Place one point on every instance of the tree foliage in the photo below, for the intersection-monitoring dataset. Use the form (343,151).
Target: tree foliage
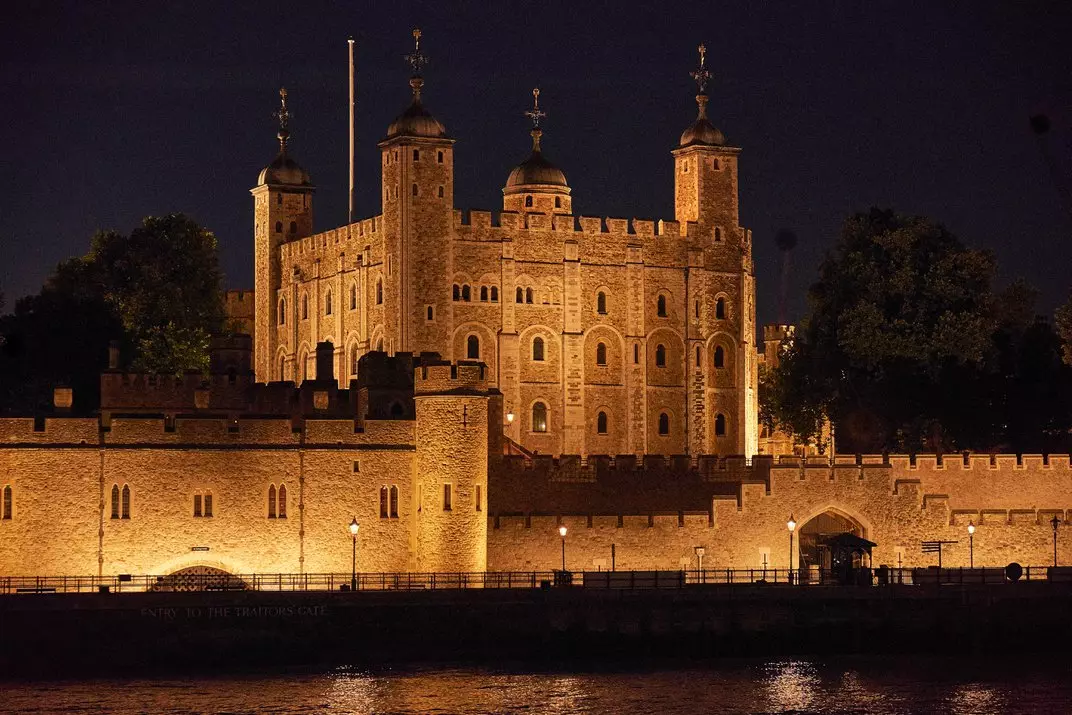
(907,347)
(157,291)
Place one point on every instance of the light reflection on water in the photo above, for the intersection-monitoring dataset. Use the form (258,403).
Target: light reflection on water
(861,686)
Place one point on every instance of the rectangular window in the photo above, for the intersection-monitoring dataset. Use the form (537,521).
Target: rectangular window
(478,507)
(383,503)
(357,466)
(394,502)
(7,503)
(197,505)
(416,155)
(439,157)
(446,497)
(208,505)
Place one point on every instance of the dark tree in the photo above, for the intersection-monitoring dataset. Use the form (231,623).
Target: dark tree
(156,291)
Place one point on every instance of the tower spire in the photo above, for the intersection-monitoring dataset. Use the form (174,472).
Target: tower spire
(536,115)
(416,60)
(283,115)
(702,76)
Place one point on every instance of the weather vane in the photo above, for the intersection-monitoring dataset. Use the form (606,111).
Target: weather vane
(701,74)
(535,114)
(416,61)
(283,115)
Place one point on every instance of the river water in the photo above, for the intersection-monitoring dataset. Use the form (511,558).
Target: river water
(887,685)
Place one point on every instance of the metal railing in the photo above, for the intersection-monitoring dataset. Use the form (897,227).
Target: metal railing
(283,582)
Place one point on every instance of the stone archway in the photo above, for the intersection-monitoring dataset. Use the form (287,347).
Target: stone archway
(199,578)
(811,548)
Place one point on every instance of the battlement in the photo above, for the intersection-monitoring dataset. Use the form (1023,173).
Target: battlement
(318,243)
(488,225)
(434,375)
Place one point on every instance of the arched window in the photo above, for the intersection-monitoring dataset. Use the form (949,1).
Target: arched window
(440,190)
(720,309)
(279,227)
(601,423)
(528,201)
(394,502)
(439,157)
(384,513)
(353,296)
(539,417)
(379,291)
(271,501)
(537,349)
(484,294)
(720,425)
(327,303)
(494,294)
(601,354)
(305,307)
(282,367)
(430,313)
(664,423)
(115,501)
(528,295)
(282,501)
(520,295)
(293,226)
(661,306)
(718,233)
(466,293)
(7,502)
(697,356)
(720,357)
(457,292)
(414,190)
(353,360)
(601,303)
(660,355)
(282,311)
(126,502)
(379,345)
(472,347)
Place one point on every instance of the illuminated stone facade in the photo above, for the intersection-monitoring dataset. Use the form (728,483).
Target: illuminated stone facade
(605,336)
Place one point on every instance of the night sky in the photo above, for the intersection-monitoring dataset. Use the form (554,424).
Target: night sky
(114,111)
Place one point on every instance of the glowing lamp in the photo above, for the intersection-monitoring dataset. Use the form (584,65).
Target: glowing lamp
(354,526)
(971,528)
(791,524)
(562,531)
(510,418)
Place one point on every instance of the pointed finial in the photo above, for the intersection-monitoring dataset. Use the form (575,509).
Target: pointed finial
(536,115)
(283,115)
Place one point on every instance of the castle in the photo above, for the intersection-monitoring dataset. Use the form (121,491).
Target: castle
(463,384)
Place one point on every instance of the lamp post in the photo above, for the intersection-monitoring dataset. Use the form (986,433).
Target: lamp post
(792,525)
(1055,522)
(353,571)
(699,560)
(971,544)
(562,533)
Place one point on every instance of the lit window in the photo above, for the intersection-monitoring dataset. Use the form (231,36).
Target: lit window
(660,355)
(601,354)
(664,423)
(537,349)
(539,417)
(601,303)
(472,347)
(601,423)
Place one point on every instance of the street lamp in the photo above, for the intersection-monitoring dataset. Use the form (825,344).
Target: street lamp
(1055,522)
(509,418)
(792,525)
(971,544)
(699,560)
(353,572)
(562,533)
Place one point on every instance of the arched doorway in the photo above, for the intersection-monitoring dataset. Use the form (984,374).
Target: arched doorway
(814,548)
(199,578)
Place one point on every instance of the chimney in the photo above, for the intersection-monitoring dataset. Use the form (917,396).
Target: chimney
(325,362)
(113,355)
(62,399)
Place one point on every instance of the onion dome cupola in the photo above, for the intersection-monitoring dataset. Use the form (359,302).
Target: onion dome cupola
(702,132)
(416,121)
(284,170)
(536,185)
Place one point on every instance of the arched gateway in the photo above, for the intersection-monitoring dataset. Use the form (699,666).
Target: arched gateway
(814,543)
(199,578)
